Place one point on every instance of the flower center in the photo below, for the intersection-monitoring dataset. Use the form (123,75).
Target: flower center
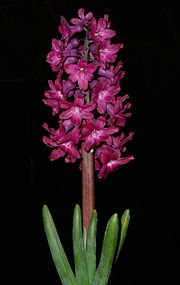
(81,69)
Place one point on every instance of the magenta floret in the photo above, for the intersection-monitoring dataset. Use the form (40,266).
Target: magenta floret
(86,94)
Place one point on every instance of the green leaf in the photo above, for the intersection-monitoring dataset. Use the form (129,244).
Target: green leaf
(124,227)
(84,237)
(108,250)
(59,257)
(91,246)
(79,250)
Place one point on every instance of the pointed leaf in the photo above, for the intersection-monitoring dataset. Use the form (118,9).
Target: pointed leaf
(108,250)
(79,250)
(59,257)
(91,246)
(124,227)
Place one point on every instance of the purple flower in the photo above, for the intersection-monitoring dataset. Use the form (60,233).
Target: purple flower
(100,31)
(64,143)
(67,31)
(114,73)
(81,72)
(84,19)
(106,96)
(56,57)
(68,88)
(111,160)
(94,132)
(54,95)
(77,111)
(118,112)
(121,140)
(107,52)
(59,53)
(66,148)
(104,93)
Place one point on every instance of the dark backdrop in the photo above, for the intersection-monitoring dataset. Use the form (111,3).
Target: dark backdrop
(148,186)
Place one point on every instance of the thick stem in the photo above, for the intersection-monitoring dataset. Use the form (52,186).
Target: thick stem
(88,195)
(88,199)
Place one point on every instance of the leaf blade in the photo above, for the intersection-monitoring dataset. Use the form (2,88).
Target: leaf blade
(59,257)
(125,219)
(108,250)
(91,246)
(79,250)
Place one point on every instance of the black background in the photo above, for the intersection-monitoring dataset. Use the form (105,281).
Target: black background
(148,186)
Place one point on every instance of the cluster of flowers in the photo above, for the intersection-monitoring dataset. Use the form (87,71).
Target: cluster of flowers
(85,94)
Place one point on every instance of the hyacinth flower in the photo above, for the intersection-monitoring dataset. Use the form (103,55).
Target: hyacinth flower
(91,112)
